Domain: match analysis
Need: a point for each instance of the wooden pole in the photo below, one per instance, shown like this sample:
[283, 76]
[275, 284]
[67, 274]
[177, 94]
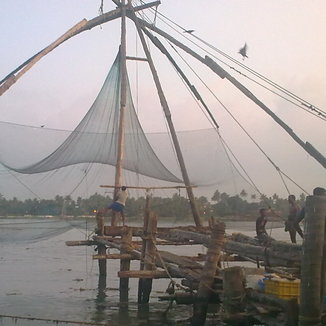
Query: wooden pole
[101, 249]
[150, 187]
[123, 99]
[125, 248]
[143, 249]
[311, 264]
[80, 27]
[209, 272]
[234, 290]
[149, 259]
[168, 117]
[323, 270]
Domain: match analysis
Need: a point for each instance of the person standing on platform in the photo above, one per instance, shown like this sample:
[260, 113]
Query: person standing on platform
[118, 206]
[292, 225]
[261, 232]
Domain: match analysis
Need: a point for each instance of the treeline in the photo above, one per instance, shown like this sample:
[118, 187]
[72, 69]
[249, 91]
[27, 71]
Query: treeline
[220, 204]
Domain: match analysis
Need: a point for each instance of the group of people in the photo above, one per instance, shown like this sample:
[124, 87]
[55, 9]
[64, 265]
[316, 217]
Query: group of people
[292, 223]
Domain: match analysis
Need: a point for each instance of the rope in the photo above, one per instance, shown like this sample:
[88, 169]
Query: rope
[287, 189]
[238, 123]
[23, 184]
[320, 113]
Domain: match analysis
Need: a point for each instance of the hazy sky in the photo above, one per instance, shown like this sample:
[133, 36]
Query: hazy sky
[286, 43]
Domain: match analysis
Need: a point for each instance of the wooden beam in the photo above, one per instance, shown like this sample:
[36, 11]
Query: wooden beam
[113, 256]
[135, 58]
[151, 187]
[80, 243]
[143, 274]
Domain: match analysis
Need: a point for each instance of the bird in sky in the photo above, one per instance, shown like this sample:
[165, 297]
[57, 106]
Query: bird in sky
[42, 126]
[243, 51]
[189, 31]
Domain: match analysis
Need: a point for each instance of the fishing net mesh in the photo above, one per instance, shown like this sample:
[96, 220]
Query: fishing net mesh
[95, 138]
[85, 157]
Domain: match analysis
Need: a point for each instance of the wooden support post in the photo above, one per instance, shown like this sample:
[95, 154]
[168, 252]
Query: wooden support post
[234, 291]
[126, 247]
[311, 265]
[323, 270]
[208, 274]
[101, 249]
[143, 249]
[145, 285]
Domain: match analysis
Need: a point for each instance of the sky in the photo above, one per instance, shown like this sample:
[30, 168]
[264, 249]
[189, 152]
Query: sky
[285, 43]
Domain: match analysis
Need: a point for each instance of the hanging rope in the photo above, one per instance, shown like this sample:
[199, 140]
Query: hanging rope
[233, 117]
[319, 113]
[100, 11]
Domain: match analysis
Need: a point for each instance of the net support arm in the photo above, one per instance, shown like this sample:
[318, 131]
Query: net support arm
[224, 74]
[82, 26]
[167, 113]
[192, 88]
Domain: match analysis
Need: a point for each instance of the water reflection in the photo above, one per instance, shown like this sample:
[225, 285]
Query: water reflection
[125, 313]
[100, 301]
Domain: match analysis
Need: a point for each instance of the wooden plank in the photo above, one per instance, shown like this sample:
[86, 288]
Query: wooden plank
[80, 243]
[143, 274]
[113, 256]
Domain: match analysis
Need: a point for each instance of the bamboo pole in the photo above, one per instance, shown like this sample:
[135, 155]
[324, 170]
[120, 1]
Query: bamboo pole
[123, 99]
[192, 88]
[208, 274]
[168, 117]
[80, 27]
[311, 265]
[150, 187]
[13, 78]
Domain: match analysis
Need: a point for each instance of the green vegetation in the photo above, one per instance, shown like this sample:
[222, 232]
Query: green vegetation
[177, 207]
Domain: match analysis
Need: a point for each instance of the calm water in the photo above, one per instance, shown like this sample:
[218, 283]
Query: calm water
[45, 279]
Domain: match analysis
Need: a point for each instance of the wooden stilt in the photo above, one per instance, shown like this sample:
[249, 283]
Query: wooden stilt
[143, 249]
[323, 271]
[126, 241]
[145, 285]
[311, 265]
[101, 249]
[234, 290]
[208, 274]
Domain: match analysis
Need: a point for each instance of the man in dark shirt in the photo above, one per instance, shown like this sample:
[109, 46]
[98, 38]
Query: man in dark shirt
[291, 225]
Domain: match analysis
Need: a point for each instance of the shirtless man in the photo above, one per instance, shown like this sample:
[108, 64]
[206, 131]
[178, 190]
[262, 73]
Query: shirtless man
[118, 206]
